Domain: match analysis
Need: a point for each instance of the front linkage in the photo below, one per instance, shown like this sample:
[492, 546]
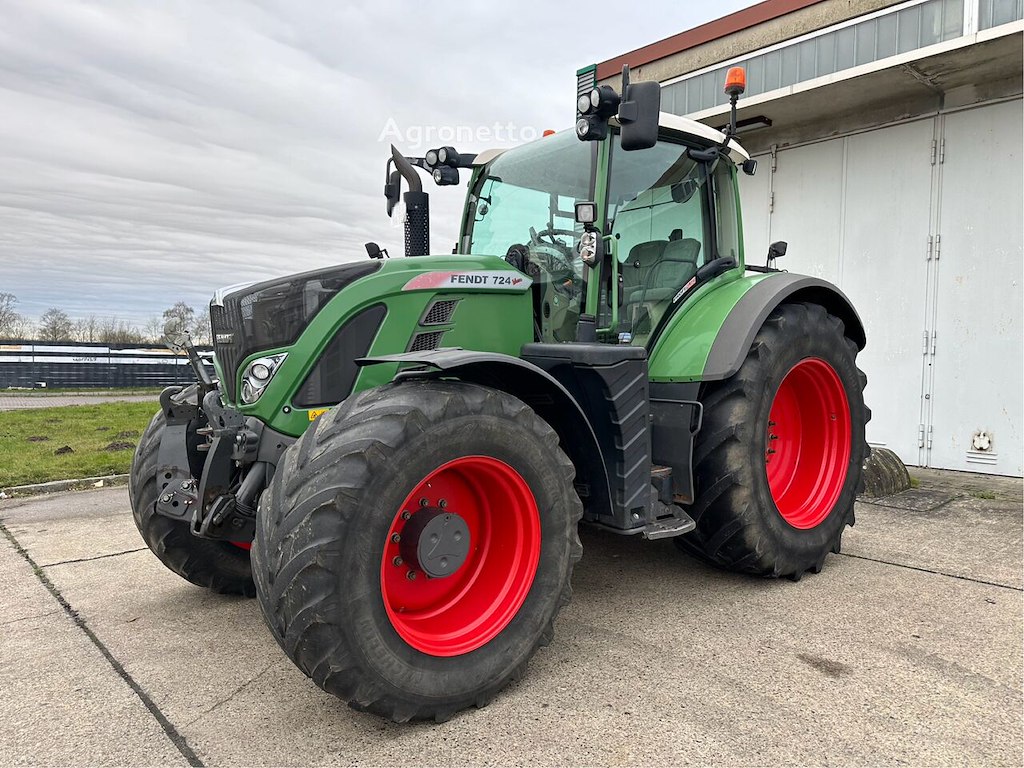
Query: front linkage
[233, 457]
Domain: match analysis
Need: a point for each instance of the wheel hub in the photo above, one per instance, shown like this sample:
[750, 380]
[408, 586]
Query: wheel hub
[435, 541]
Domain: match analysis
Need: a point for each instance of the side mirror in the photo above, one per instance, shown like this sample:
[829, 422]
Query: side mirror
[638, 115]
[749, 166]
[777, 249]
[374, 251]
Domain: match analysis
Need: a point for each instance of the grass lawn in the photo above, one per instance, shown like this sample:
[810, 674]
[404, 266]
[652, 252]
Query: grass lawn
[102, 439]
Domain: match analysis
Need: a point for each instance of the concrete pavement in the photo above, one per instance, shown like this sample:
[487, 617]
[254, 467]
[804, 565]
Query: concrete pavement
[905, 649]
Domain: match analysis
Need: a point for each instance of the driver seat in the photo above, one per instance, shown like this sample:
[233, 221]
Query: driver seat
[662, 276]
[642, 258]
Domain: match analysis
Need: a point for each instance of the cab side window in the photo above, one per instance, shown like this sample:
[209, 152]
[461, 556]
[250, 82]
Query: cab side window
[657, 211]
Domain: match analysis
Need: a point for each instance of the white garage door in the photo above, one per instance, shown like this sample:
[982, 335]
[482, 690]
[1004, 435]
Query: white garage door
[869, 212]
[976, 392]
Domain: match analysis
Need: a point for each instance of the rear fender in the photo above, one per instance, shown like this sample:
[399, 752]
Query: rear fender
[709, 337]
[746, 318]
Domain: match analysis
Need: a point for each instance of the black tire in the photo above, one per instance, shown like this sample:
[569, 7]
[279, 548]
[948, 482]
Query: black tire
[323, 528]
[216, 565]
[739, 524]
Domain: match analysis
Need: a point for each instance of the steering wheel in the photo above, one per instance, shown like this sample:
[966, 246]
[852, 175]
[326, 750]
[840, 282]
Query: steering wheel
[555, 257]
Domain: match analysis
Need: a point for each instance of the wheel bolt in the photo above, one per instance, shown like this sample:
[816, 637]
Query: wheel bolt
[411, 575]
[771, 450]
[424, 503]
[165, 498]
[396, 537]
[397, 562]
[406, 515]
[444, 504]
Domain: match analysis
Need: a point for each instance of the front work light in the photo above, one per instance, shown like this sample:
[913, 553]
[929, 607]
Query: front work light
[445, 175]
[448, 156]
[604, 101]
[586, 213]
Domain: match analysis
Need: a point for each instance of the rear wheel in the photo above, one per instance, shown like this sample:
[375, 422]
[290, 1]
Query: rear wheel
[778, 459]
[415, 545]
[219, 566]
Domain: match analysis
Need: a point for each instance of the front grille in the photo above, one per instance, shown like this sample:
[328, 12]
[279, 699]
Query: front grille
[228, 344]
[426, 340]
[273, 314]
[440, 312]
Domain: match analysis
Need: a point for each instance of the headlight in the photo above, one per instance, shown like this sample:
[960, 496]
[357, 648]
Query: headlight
[588, 247]
[258, 374]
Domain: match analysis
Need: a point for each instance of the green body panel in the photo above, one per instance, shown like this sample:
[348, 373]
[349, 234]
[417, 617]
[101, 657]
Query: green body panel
[492, 320]
[680, 352]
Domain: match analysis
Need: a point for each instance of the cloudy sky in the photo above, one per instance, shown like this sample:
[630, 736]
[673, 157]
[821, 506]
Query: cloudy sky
[153, 151]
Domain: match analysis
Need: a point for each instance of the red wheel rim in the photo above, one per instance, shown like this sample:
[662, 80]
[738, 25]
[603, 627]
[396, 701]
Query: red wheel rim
[807, 447]
[459, 613]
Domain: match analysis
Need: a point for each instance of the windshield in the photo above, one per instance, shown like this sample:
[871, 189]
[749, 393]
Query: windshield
[522, 208]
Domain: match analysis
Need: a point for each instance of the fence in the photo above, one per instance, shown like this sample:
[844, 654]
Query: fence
[39, 364]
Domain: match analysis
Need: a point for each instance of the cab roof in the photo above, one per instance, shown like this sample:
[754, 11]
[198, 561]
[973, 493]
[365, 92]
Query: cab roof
[683, 126]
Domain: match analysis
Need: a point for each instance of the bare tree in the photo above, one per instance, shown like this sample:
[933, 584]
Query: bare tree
[55, 325]
[11, 321]
[154, 330]
[87, 329]
[178, 318]
[23, 328]
[201, 328]
[114, 331]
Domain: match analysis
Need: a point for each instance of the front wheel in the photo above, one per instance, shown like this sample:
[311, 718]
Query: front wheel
[415, 545]
[779, 456]
[219, 566]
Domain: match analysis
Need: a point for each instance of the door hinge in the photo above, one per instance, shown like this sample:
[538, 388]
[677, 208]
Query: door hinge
[942, 152]
[935, 335]
[931, 247]
[924, 345]
[771, 202]
[920, 435]
[929, 437]
[938, 246]
[935, 150]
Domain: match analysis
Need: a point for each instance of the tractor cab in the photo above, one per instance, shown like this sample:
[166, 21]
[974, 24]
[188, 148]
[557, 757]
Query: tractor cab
[613, 239]
[666, 215]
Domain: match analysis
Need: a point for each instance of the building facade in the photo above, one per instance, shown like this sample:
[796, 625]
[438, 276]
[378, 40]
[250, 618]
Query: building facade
[889, 137]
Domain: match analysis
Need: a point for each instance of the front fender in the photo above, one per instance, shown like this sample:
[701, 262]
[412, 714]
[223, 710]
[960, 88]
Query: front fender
[535, 387]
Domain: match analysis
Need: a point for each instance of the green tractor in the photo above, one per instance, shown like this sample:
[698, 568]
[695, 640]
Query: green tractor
[394, 455]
